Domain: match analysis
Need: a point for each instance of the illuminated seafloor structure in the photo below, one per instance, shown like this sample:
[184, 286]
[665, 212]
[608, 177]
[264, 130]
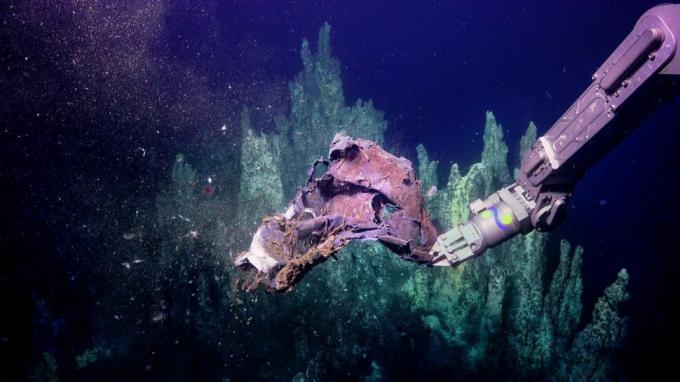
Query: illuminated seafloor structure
[171, 295]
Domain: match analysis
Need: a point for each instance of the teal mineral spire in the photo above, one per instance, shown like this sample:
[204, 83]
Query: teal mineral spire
[318, 111]
[495, 309]
[260, 191]
[183, 178]
[563, 302]
[451, 204]
[427, 169]
[495, 153]
[592, 355]
[317, 104]
[525, 143]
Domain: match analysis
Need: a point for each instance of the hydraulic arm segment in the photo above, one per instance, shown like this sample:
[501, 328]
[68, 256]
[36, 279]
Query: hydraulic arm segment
[639, 76]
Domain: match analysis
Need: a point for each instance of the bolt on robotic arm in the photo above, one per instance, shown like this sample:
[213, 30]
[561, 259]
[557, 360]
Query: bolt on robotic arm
[637, 78]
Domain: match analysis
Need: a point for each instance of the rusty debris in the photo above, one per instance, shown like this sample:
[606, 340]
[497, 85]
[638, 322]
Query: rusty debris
[365, 194]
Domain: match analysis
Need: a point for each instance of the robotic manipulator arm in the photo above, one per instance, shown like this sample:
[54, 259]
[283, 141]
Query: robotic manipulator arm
[637, 78]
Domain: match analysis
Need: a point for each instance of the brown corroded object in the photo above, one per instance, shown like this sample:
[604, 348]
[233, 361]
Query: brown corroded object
[365, 194]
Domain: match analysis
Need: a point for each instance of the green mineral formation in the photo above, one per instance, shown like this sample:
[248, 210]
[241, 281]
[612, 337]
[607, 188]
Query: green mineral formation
[318, 110]
[495, 309]
[88, 357]
[427, 169]
[591, 356]
[525, 143]
[261, 191]
[46, 370]
[450, 204]
[495, 153]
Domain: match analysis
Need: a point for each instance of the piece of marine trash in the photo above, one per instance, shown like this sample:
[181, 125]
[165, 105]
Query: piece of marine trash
[365, 194]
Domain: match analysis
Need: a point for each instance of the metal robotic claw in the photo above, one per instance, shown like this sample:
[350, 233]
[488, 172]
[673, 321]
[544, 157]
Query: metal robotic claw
[641, 75]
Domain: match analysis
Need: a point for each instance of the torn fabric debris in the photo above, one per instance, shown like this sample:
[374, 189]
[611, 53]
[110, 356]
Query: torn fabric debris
[365, 194]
